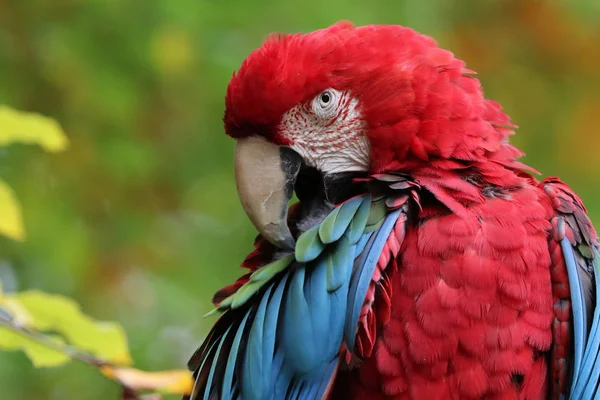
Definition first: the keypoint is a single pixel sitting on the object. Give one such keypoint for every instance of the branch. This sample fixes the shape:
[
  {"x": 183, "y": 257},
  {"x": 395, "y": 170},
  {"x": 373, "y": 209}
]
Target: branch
[
  {"x": 42, "y": 339},
  {"x": 129, "y": 393}
]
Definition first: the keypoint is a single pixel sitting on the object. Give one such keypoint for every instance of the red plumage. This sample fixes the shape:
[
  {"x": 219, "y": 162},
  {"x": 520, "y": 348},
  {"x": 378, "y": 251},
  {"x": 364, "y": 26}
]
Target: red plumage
[{"x": 469, "y": 300}]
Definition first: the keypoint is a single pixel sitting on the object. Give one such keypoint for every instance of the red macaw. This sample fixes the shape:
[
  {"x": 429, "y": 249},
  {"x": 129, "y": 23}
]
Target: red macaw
[{"x": 422, "y": 261}]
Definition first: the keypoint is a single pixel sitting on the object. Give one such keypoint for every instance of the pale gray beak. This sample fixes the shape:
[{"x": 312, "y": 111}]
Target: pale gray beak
[{"x": 265, "y": 175}]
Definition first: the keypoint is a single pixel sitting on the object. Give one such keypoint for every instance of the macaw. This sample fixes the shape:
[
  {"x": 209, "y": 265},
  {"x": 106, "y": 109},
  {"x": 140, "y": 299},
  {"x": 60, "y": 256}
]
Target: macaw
[{"x": 422, "y": 260}]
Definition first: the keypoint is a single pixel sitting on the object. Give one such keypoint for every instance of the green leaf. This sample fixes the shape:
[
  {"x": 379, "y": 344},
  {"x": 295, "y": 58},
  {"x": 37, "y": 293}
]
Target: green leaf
[
  {"x": 17, "y": 126},
  {"x": 11, "y": 219},
  {"x": 40, "y": 355},
  {"x": 63, "y": 316}
]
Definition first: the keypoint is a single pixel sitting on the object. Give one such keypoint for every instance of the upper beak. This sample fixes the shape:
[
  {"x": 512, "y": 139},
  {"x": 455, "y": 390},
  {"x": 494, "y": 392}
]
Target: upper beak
[{"x": 265, "y": 175}]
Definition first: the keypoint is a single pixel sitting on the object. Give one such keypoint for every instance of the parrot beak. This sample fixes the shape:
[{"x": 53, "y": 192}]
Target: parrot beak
[{"x": 265, "y": 175}]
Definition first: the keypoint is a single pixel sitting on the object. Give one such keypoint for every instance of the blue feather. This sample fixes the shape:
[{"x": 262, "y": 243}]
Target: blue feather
[
  {"x": 227, "y": 387},
  {"x": 201, "y": 367},
  {"x": 362, "y": 243},
  {"x": 587, "y": 381},
  {"x": 339, "y": 265},
  {"x": 361, "y": 279},
  {"x": 208, "y": 390},
  {"x": 591, "y": 386},
  {"x": 254, "y": 363},
  {"x": 319, "y": 382},
  {"x": 327, "y": 377},
  {"x": 319, "y": 304},
  {"x": 578, "y": 305},
  {"x": 295, "y": 391},
  {"x": 343, "y": 259},
  {"x": 280, "y": 376},
  {"x": 295, "y": 322},
  {"x": 270, "y": 329}
]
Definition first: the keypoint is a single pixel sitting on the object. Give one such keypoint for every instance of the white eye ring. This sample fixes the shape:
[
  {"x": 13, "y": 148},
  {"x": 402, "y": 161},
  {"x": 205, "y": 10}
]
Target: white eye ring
[{"x": 325, "y": 104}]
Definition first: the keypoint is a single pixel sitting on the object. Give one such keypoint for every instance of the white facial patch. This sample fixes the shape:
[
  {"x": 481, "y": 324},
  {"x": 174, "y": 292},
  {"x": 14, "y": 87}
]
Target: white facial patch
[{"x": 329, "y": 132}]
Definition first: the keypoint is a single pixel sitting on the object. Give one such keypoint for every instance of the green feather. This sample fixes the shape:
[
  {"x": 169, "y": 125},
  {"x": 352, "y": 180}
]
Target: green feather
[
  {"x": 376, "y": 215},
  {"x": 586, "y": 251},
  {"x": 267, "y": 272},
  {"x": 354, "y": 217},
  {"x": 335, "y": 224},
  {"x": 214, "y": 311},
  {"x": 309, "y": 245},
  {"x": 244, "y": 293},
  {"x": 257, "y": 280},
  {"x": 358, "y": 223}
]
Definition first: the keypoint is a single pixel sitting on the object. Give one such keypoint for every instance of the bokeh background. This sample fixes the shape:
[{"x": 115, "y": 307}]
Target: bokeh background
[{"x": 139, "y": 220}]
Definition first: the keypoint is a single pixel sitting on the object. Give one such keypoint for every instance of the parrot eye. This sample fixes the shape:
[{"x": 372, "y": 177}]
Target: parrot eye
[{"x": 325, "y": 104}]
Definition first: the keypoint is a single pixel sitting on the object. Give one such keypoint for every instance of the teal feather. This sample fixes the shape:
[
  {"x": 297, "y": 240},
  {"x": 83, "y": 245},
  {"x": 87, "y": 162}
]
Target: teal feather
[
  {"x": 585, "y": 384},
  {"x": 377, "y": 213},
  {"x": 361, "y": 278},
  {"x": 297, "y": 327},
  {"x": 209, "y": 388},
  {"x": 309, "y": 245},
  {"x": 335, "y": 224},
  {"x": 359, "y": 222},
  {"x": 270, "y": 331},
  {"x": 254, "y": 363},
  {"x": 320, "y": 309},
  {"x": 198, "y": 371},
  {"x": 281, "y": 375},
  {"x": 339, "y": 264},
  {"x": 227, "y": 386},
  {"x": 343, "y": 258},
  {"x": 578, "y": 306}
]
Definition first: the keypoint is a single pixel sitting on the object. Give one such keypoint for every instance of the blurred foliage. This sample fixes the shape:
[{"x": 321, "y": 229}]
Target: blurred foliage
[
  {"x": 20, "y": 127},
  {"x": 51, "y": 329},
  {"x": 139, "y": 220}
]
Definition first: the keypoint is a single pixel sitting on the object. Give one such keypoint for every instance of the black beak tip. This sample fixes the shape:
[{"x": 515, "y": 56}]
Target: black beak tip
[{"x": 280, "y": 236}]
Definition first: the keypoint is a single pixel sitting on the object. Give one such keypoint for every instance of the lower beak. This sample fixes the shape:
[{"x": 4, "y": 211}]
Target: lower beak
[{"x": 265, "y": 175}]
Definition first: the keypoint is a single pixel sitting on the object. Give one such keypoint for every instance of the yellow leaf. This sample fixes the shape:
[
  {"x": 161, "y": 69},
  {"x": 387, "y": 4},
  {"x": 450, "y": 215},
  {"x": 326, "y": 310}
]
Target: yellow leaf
[
  {"x": 63, "y": 316},
  {"x": 11, "y": 220},
  {"x": 174, "y": 381},
  {"x": 40, "y": 355},
  {"x": 18, "y": 126}
]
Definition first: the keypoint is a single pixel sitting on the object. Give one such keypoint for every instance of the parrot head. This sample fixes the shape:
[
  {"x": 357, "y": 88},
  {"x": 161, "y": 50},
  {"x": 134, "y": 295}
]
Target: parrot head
[{"x": 345, "y": 101}]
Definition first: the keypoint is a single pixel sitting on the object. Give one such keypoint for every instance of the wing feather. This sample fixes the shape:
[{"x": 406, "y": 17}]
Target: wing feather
[{"x": 285, "y": 326}]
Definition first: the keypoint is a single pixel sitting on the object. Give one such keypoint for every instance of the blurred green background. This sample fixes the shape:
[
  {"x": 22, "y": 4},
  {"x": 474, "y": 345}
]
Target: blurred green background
[{"x": 139, "y": 220}]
